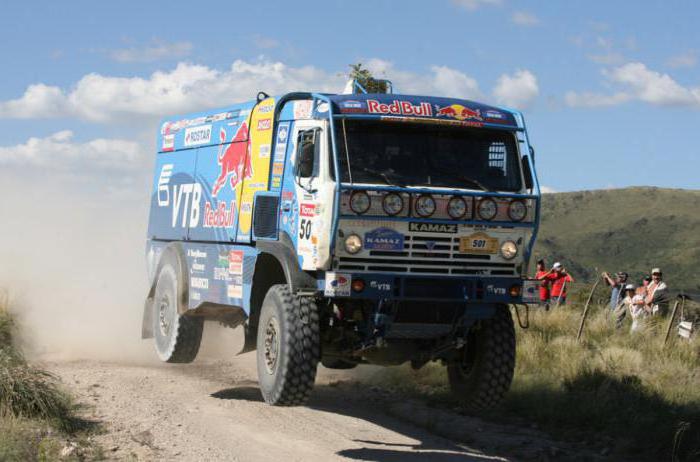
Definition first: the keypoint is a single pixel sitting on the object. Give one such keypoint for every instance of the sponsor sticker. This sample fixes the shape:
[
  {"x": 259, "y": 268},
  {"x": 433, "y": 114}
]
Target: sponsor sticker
[
  {"x": 302, "y": 109},
  {"x": 351, "y": 106},
  {"x": 195, "y": 136},
  {"x": 168, "y": 143},
  {"x": 234, "y": 291},
  {"x": 264, "y": 124},
  {"x": 459, "y": 112},
  {"x": 199, "y": 283},
  {"x": 531, "y": 291},
  {"x": 384, "y": 239},
  {"x": 399, "y": 108},
  {"x": 432, "y": 228},
  {"x": 337, "y": 285},
  {"x": 490, "y": 114},
  {"x": 264, "y": 151},
  {"x": 381, "y": 286},
  {"x": 235, "y": 262},
  {"x": 283, "y": 132},
  {"x": 307, "y": 210}
]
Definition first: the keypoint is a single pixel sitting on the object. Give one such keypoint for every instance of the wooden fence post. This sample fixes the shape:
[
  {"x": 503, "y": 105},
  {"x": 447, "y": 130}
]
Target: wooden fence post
[{"x": 585, "y": 309}]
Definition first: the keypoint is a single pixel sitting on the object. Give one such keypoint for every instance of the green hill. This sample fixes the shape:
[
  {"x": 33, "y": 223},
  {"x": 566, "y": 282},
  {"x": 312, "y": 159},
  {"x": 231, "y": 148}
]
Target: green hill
[{"x": 632, "y": 230}]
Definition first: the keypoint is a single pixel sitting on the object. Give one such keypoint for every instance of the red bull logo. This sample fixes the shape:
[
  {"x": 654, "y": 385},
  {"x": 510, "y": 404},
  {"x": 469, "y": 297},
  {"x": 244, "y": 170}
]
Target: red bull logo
[
  {"x": 459, "y": 112},
  {"x": 234, "y": 160},
  {"x": 400, "y": 108}
]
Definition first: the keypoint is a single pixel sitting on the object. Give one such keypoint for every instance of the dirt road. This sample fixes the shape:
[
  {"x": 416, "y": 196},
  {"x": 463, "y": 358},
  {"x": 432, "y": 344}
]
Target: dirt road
[{"x": 212, "y": 410}]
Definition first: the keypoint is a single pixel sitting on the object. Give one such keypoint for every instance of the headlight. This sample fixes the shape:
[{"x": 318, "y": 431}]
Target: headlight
[
  {"x": 457, "y": 207},
  {"x": 488, "y": 209},
  {"x": 353, "y": 243},
  {"x": 392, "y": 204},
  {"x": 425, "y": 205},
  {"x": 509, "y": 250},
  {"x": 360, "y": 202},
  {"x": 517, "y": 210}
]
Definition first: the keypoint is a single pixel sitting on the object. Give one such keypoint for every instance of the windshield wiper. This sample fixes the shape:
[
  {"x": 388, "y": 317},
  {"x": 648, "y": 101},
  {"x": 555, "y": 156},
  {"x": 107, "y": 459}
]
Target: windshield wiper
[
  {"x": 471, "y": 181},
  {"x": 475, "y": 182},
  {"x": 383, "y": 175}
]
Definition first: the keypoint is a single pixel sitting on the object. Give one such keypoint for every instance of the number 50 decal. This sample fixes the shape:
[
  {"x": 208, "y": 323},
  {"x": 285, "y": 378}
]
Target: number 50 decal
[{"x": 304, "y": 228}]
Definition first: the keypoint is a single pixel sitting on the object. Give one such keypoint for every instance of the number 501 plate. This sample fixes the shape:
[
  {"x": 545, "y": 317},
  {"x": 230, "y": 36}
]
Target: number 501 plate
[{"x": 478, "y": 243}]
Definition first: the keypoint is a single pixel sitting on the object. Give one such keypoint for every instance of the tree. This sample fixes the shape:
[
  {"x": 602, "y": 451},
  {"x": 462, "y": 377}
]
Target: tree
[{"x": 365, "y": 78}]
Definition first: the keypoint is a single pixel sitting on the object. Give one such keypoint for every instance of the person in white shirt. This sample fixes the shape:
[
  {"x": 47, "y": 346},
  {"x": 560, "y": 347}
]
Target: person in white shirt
[{"x": 656, "y": 299}]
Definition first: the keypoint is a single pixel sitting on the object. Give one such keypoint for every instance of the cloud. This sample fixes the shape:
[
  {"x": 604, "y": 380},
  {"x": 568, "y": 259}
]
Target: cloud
[
  {"x": 59, "y": 151},
  {"x": 100, "y": 98},
  {"x": 523, "y": 18},
  {"x": 683, "y": 60},
  {"x": 155, "y": 52},
  {"x": 441, "y": 81},
  {"x": 547, "y": 190},
  {"x": 518, "y": 90},
  {"x": 188, "y": 87},
  {"x": 641, "y": 84},
  {"x": 473, "y": 5}
]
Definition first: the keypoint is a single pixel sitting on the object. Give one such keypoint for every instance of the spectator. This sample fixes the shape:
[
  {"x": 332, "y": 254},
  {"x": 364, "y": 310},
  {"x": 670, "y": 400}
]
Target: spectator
[
  {"x": 637, "y": 311},
  {"x": 656, "y": 299},
  {"x": 558, "y": 277},
  {"x": 617, "y": 292},
  {"x": 544, "y": 285},
  {"x": 625, "y": 305}
]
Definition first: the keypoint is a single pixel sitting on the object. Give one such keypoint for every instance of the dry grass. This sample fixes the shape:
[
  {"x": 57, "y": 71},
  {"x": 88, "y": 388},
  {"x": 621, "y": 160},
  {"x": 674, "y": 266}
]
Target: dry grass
[
  {"x": 618, "y": 389},
  {"x": 36, "y": 414}
]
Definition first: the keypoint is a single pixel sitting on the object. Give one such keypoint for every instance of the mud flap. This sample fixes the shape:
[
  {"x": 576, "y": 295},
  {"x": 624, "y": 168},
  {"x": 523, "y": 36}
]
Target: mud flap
[
  {"x": 250, "y": 339},
  {"x": 147, "y": 325}
]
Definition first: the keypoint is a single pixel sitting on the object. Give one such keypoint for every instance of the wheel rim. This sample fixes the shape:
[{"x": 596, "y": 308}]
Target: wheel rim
[
  {"x": 272, "y": 345},
  {"x": 163, "y": 315}
]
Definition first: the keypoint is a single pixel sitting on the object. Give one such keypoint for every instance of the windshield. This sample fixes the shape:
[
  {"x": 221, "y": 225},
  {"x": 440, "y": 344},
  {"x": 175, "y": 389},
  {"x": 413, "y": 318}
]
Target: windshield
[{"x": 411, "y": 154}]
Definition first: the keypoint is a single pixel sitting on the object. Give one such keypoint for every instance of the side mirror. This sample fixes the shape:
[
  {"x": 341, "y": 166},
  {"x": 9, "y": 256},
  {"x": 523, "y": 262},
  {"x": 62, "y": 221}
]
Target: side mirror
[
  {"x": 306, "y": 153},
  {"x": 532, "y": 154},
  {"x": 527, "y": 172}
]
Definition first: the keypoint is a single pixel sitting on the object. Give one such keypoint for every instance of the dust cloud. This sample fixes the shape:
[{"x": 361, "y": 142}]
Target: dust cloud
[{"x": 72, "y": 261}]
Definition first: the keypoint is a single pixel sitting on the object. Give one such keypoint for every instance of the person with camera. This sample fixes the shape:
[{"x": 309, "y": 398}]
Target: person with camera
[
  {"x": 558, "y": 278},
  {"x": 617, "y": 287}
]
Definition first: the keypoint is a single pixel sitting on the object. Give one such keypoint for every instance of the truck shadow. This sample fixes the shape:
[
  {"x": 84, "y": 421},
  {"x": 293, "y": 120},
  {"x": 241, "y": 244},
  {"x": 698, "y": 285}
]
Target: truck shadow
[{"x": 331, "y": 399}]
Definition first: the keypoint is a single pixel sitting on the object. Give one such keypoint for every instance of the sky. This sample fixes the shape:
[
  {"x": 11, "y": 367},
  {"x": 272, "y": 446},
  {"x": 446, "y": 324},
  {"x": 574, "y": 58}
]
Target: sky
[{"x": 610, "y": 90}]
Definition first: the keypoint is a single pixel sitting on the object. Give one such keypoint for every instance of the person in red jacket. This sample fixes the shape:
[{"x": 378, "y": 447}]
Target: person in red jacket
[
  {"x": 559, "y": 279},
  {"x": 544, "y": 286}
]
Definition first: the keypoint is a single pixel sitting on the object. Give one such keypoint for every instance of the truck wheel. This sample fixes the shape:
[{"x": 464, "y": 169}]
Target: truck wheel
[
  {"x": 288, "y": 347},
  {"x": 484, "y": 371},
  {"x": 177, "y": 337}
]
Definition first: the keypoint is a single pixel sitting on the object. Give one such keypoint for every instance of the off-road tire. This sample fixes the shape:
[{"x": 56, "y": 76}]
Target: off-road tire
[
  {"x": 177, "y": 337},
  {"x": 287, "y": 363},
  {"x": 484, "y": 372}
]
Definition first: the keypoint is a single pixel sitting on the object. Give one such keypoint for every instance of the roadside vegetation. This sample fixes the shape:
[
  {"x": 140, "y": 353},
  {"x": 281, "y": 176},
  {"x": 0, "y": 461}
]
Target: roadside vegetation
[
  {"x": 37, "y": 417},
  {"x": 622, "y": 392}
]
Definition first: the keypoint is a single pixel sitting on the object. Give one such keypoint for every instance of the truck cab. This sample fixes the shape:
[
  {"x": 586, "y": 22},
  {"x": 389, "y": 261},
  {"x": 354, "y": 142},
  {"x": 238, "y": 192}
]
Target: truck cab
[{"x": 345, "y": 229}]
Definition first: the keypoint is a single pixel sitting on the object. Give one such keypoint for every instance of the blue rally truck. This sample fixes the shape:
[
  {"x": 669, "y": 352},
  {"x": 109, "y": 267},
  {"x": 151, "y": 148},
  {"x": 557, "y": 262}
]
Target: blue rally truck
[{"x": 347, "y": 229}]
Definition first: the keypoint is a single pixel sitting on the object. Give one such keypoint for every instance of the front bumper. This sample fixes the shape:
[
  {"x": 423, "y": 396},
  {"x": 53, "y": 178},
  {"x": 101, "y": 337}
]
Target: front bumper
[{"x": 376, "y": 286}]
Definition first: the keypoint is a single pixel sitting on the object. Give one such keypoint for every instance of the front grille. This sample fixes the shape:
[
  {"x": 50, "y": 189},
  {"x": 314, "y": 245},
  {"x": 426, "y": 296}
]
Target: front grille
[{"x": 426, "y": 255}]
